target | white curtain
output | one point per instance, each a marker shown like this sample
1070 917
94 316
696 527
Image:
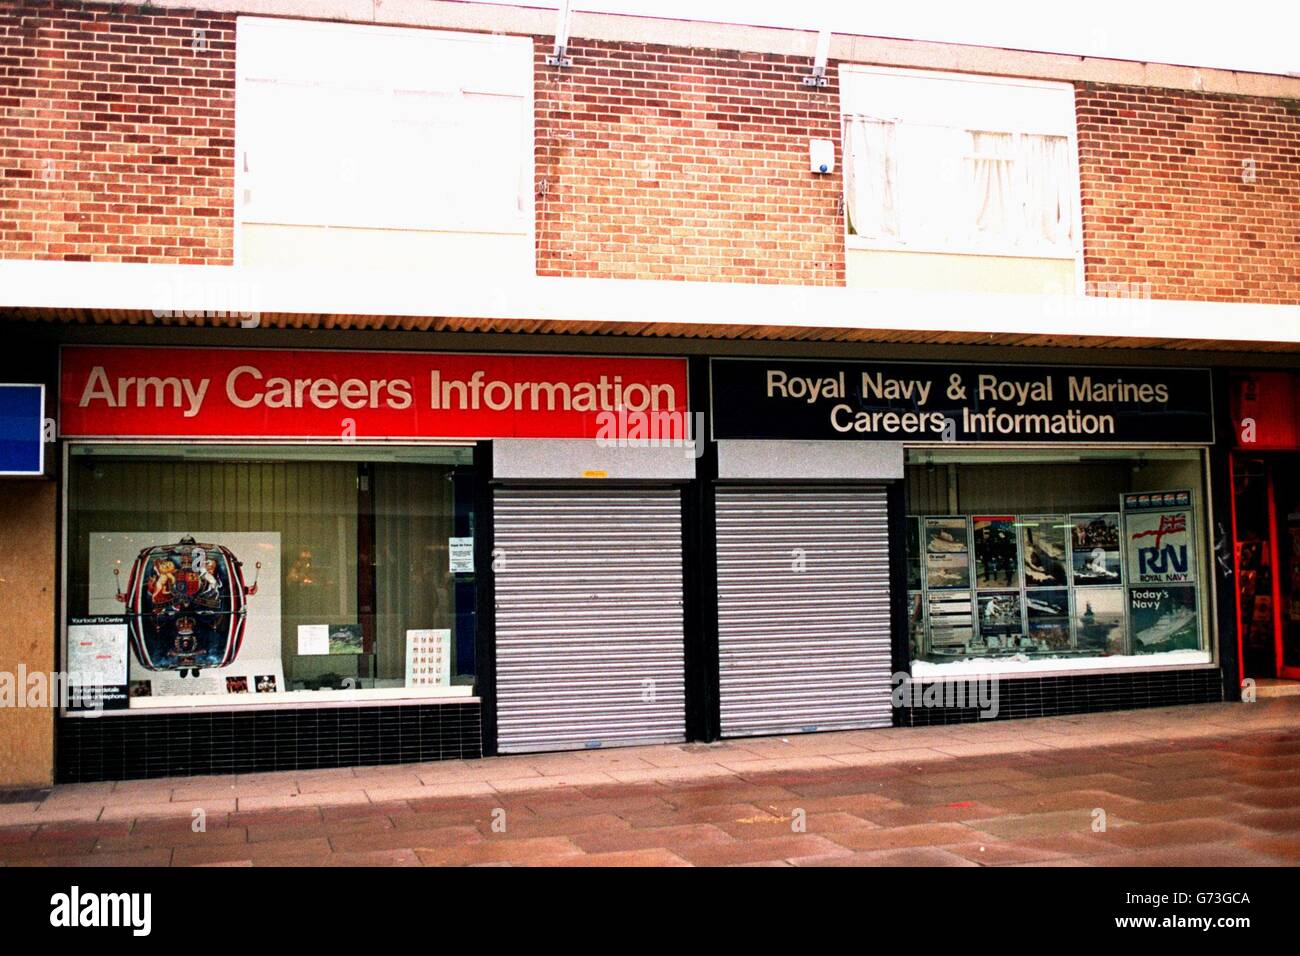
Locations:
992 187
871 177
1044 165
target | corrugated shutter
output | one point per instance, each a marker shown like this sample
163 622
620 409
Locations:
589 639
803 649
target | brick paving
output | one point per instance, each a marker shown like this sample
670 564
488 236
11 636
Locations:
1212 785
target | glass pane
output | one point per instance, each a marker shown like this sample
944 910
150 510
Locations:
1083 558
273 575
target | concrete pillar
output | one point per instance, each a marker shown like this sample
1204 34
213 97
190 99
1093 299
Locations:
28 576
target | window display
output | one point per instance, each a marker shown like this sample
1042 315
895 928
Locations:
1084 559
261 575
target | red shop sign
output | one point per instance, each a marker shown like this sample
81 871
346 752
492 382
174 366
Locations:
120 392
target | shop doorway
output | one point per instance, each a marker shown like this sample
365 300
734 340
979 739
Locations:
803 609
1266 537
590 640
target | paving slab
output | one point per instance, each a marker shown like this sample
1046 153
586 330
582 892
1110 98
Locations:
1216 784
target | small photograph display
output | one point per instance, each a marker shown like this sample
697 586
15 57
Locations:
1048 615
946 536
428 657
997 561
947 571
999 619
1163 618
913 554
951 628
1099 620
1042 551
1095 548
346 639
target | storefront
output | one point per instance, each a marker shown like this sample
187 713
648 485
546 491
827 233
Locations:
286 558
276 559
1050 524
1266 522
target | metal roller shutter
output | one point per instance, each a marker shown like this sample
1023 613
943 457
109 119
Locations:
589 639
803 650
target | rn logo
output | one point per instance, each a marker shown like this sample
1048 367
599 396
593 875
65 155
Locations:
1163 561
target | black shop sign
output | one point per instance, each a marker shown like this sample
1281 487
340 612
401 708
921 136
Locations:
921 403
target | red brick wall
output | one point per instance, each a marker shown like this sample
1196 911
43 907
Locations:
1164 198
117 143
118 134
672 163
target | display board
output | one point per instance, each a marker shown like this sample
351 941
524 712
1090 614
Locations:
180 592
1085 584
834 400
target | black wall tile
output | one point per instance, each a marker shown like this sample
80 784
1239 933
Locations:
1086 694
128 747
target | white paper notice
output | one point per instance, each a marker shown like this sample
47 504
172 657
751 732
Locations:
313 639
460 553
97 653
428 657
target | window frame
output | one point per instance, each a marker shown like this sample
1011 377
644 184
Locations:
236 703
849 109
1050 667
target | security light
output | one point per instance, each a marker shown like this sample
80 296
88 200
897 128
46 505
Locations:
818 75
558 55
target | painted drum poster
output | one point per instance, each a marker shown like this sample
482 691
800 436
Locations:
202 608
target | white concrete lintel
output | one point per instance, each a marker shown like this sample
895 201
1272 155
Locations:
235 290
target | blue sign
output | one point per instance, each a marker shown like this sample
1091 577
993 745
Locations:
22 417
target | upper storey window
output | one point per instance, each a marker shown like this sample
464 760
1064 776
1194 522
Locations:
952 163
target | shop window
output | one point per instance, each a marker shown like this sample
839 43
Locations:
951 163
229 576
1026 560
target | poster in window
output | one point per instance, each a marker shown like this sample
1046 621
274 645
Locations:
1048 615
1158 529
997 562
1163 618
96 663
1000 620
947 571
946 536
201 606
1099 620
428 657
951 627
346 639
1042 551
1094 546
